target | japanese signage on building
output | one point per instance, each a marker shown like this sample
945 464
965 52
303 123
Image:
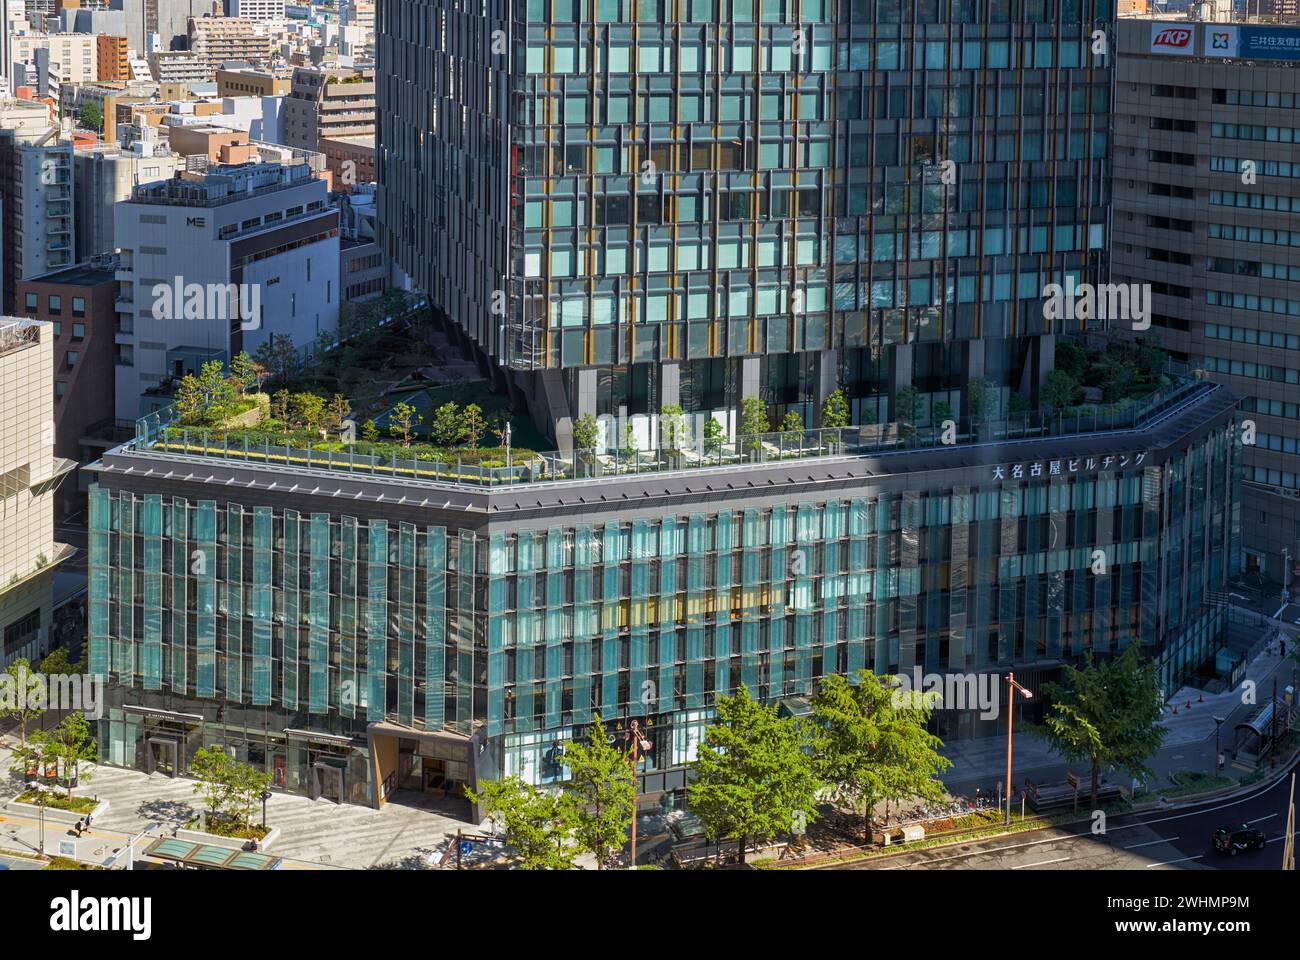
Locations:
1249 42
1170 38
1034 469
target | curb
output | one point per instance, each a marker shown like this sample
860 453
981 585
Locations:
1156 807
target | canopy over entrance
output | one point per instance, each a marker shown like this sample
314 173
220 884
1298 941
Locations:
209 856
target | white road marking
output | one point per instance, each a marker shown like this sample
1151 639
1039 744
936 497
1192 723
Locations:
1151 843
1041 863
1168 862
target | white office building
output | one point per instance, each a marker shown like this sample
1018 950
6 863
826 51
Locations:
218 262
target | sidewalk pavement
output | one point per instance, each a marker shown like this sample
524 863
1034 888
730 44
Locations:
1189 744
318 832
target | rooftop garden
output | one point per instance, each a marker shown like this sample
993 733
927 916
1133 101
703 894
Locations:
219 407
278 406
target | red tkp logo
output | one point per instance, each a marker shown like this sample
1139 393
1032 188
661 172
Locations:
1179 37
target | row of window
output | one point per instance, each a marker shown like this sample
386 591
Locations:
1256 371
1255 201
1267 168
54 305
1248 131
1278 238
1253 268
1249 301
1263 338
692 51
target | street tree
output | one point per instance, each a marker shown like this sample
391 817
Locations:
535 821
602 786
1107 715
26 709
246 785
870 746
68 746
211 769
753 778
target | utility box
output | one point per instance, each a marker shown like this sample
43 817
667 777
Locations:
913 832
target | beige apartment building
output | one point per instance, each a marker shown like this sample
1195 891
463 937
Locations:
218 39
77 54
29 474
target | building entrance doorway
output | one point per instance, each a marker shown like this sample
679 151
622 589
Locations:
160 755
326 782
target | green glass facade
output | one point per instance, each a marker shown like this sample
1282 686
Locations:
524 628
702 200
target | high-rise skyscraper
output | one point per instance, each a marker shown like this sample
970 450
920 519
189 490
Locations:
635 206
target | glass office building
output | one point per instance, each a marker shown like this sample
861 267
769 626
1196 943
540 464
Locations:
634 203
321 620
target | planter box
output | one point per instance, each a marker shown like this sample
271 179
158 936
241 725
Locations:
53 815
231 843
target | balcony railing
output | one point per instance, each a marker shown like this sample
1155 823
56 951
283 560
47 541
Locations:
159 432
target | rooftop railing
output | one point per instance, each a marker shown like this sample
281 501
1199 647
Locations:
160 432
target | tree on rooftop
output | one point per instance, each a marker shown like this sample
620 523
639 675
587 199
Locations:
446 425
308 410
672 426
835 410
472 425
188 401
338 410
907 409
1060 390
713 435
402 419
792 422
586 432
243 371
280 406
753 420
278 355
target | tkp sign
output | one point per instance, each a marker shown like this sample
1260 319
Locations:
1169 39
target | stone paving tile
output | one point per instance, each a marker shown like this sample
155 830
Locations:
400 836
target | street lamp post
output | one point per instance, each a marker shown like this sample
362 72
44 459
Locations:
640 745
1012 687
505 439
1218 765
